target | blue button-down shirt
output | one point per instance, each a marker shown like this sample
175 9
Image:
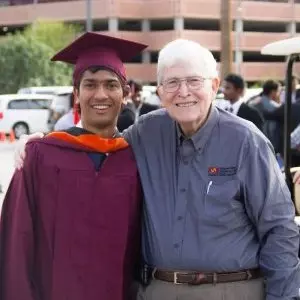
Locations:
216 201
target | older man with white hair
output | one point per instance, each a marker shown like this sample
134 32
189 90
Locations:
218 219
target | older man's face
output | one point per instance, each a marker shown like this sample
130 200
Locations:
187 95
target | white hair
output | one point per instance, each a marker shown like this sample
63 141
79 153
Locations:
186 52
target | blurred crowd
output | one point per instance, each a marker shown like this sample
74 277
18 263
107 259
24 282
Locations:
135 107
266 111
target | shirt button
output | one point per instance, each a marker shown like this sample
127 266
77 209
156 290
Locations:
183 190
176 246
179 218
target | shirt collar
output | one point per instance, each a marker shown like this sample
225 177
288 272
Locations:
200 138
116 134
236 106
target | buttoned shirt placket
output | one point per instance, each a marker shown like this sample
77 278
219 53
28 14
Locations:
185 154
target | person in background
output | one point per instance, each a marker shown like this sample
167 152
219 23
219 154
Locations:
233 89
139 106
295 138
295 144
135 107
218 220
67 120
270 97
278 116
295 82
70 222
154 99
270 101
126 117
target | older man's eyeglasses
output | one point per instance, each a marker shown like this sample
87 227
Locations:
193 83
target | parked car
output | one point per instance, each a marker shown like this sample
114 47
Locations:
24 113
48 90
61 103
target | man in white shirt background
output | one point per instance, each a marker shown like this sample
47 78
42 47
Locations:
233 89
135 107
140 107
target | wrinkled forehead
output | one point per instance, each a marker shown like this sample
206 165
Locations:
187 68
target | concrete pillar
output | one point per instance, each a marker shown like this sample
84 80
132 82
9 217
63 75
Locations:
113 24
239 28
146 57
179 23
291 28
145 25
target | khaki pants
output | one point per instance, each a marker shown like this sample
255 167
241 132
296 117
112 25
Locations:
242 290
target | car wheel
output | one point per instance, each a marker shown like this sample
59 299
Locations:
20 129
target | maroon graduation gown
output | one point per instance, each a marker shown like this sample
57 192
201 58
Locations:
67 231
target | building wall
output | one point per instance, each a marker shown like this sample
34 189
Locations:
156 22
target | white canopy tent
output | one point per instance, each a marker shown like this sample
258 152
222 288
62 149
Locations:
291 49
283 47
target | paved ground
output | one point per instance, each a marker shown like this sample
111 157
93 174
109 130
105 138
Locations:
6 165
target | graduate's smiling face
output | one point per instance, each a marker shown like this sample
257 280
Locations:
100 95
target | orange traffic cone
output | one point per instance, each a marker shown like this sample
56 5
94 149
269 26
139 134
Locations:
12 137
2 137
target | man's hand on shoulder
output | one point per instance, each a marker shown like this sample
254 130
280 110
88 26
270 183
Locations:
20 147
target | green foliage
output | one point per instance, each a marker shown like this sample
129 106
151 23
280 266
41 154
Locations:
257 84
54 34
25 57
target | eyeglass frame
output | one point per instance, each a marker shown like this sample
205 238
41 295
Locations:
180 80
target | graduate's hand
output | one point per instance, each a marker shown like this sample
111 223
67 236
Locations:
296 178
20 147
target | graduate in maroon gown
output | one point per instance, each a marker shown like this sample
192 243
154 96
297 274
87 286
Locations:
70 221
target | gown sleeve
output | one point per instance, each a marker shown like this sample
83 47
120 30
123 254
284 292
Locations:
17 234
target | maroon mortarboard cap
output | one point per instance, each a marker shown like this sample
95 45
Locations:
94 49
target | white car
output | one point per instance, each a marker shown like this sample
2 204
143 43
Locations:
61 102
48 90
24 113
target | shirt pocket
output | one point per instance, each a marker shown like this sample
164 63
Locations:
222 201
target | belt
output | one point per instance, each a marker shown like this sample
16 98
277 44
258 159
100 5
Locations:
197 278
